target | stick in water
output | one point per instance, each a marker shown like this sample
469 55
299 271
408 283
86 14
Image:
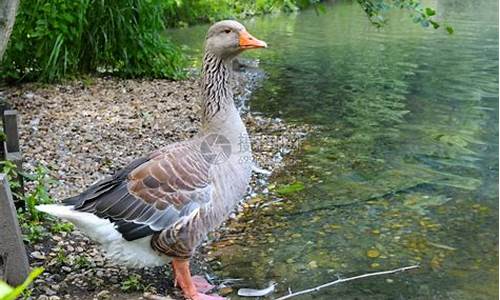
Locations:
315 289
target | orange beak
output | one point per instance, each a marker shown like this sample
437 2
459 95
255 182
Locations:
247 41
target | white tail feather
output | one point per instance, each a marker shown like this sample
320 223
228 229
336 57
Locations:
137 253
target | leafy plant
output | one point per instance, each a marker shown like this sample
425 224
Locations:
61 257
132 283
11 293
39 195
10 170
30 219
59 227
82 261
33 232
376 9
57 39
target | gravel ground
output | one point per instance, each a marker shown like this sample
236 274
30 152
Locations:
84 130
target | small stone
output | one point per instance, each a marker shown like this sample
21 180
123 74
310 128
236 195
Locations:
373 253
103 295
313 265
66 269
55 298
43 297
38 255
48 291
225 291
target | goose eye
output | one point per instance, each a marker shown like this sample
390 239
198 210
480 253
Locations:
227 30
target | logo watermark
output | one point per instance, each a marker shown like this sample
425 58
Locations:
215 149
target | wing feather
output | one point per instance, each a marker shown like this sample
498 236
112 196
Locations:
151 194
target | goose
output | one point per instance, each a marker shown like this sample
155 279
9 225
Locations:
160 207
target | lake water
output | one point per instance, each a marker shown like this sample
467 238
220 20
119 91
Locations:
404 169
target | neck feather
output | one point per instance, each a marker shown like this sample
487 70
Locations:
217 93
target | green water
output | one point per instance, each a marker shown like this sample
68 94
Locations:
404 169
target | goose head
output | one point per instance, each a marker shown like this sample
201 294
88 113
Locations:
226 39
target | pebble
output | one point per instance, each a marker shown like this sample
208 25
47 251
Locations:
103 295
66 269
38 255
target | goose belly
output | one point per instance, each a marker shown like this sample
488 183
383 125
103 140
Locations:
135 254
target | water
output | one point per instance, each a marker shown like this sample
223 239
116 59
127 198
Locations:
404 169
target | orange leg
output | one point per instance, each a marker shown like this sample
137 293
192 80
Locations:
185 281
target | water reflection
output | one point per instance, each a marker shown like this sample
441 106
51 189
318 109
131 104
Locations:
405 168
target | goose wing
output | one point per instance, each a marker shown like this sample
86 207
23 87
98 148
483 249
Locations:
151 194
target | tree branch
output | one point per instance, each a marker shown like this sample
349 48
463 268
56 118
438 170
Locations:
315 289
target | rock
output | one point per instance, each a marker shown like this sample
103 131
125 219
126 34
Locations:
43 297
66 269
49 291
38 255
225 291
150 296
54 298
103 295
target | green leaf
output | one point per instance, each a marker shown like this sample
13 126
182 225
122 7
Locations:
430 12
290 188
449 29
434 24
5 290
9 293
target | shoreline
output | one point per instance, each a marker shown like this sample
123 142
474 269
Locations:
83 131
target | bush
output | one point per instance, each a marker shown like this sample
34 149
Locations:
188 12
57 39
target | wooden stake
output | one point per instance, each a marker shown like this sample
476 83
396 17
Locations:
12 252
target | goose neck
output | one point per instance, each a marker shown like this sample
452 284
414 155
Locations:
217 92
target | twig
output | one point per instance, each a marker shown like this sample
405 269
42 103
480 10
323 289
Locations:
315 289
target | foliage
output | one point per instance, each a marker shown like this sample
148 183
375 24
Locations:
39 195
59 227
375 10
61 258
10 293
132 283
60 39
32 231
30 219
57 39
189 12
10 170
82 261
291 188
